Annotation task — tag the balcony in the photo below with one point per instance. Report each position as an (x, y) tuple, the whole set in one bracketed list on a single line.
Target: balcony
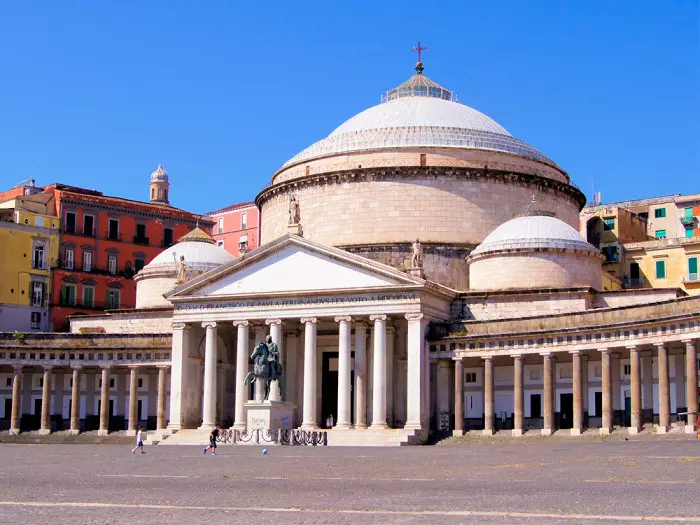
[(692, 278), (634, 283), (688, 222), (141, 240)]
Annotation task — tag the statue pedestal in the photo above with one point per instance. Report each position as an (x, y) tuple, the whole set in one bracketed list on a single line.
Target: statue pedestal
[(270, 415), (416, 272), (294, 229)]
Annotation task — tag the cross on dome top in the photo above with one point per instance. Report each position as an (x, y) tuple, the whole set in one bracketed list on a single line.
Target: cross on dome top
[(418, 49)]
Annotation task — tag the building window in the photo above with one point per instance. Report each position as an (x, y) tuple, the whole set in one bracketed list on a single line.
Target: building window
[(688, 213), (689, 233), (112, 264), (140, 382), (38, 291), (627, 370), (112, 299), (659, 213), (243, 243), (660, 269), (68, 295), (220, 243), (139, 263), (221, 224), (88, 225), (36, 320), (87, 261), (38, 256), (244, 221), (167, 237), (609, 224), (113, 229), (693, 269), (111, 382), (69, 258), (611, 254), (70, 222), (140, 237), (470, 377), (660, 234), (88, 296)]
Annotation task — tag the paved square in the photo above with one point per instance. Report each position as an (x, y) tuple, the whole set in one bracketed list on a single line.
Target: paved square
[(604, 482)]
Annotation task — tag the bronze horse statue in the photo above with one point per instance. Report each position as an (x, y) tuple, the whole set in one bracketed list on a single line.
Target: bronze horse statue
[(266, 366)]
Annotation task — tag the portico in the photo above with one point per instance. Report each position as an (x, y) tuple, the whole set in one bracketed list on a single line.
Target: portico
[(350, 340)]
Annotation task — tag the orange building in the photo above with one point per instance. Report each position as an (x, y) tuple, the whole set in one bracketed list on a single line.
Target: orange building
[(104, 241), (236, 227)]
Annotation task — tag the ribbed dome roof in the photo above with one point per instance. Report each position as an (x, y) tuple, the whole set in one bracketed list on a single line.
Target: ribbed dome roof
[(530, 231), (418, 113), (200, 251)]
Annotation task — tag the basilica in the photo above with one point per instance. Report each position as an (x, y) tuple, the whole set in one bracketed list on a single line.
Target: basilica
[(421, 272)]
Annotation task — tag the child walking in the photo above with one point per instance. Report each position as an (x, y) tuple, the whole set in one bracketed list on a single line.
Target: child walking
[(212, 439), (139, 441)]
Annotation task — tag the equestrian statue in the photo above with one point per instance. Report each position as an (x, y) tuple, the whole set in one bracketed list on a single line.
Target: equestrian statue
[(266, 365)]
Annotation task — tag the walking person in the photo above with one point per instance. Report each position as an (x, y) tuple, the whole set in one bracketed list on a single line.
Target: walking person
[(139, 441), (212, 440)]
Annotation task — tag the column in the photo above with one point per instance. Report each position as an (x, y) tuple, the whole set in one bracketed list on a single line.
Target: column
[(46, 403), (16, 400), (344, 372), (75, 402), (104, 403), (379, 374), (459, 396), (133, 400), (242, 338), (179, 380), (443, 388), (290, 370), (210, 350), (416, 418), (577, 428), (635, 392), (606, 426), (489, 409), (360, 374), (518, 401), (259, 389), (548, 375), (309, 414), (691, 384), (390, 344), (160, 419), (276, 334), (664, 393)]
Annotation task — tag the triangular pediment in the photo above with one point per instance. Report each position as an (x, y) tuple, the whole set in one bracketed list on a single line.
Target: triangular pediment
[(292, 264)]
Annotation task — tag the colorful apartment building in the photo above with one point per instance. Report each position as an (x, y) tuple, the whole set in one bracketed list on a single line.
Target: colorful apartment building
[(236, 227), (29, 246), (103, 241), (648, 243)]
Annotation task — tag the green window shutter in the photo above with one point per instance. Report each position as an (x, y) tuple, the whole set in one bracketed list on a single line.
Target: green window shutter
[(64, 289), (693, 265), (689, 233), (660, 234), (660, 269), (689, 213)]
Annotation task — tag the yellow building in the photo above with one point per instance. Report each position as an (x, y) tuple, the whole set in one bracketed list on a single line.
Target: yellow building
[(664, 263), (29, 248)]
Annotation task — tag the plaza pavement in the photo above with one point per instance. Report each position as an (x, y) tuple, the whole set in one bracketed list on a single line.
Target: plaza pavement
[(633, 481)]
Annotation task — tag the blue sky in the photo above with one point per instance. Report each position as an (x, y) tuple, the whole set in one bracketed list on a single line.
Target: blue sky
[(96, 94)]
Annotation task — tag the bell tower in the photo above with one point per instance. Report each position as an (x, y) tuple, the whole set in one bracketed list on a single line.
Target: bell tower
[(160, 187)]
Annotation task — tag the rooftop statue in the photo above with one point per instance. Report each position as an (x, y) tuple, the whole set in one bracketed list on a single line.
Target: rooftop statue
[(294, 212), (417, 255), (181, 270)]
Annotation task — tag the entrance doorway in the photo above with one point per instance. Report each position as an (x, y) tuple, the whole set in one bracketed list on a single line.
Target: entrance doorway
[(329, 387), (536, 405), (628, 410), (566, 411), (8, 408)]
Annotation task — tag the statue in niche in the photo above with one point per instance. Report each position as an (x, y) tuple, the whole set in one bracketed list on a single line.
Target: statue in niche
[(417, 255), (294, 212), (181, 270)]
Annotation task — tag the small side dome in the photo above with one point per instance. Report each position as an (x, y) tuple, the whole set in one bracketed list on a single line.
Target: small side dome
[(159, 175), (534, 251), (199, 253)]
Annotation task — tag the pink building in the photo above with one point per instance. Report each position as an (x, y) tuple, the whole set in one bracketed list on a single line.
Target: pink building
[(236, 227)]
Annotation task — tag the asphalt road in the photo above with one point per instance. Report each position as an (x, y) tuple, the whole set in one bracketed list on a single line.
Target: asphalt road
[(581, 483)]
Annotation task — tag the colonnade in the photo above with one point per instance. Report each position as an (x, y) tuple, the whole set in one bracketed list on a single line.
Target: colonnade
[(577, 357), (77, 371), (417, 368)]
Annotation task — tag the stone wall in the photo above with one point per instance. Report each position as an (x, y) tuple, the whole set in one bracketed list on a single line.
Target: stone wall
[(633, 296), (157, 321), (49, 341), (436, 205), (510, 306), (150, 291), (530, 269), (443, 263), (461, 158)]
